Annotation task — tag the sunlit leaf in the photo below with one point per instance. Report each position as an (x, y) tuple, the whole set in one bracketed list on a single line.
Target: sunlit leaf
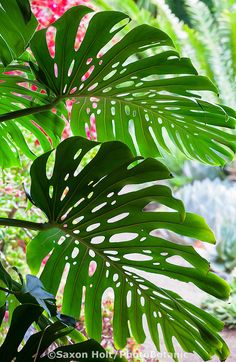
[(101, 233), (147, 101)]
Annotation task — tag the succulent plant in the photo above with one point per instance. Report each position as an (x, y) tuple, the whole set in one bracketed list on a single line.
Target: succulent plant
[(214, 199)]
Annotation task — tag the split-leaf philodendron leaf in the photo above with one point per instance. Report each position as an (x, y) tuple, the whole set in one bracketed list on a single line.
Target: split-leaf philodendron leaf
[(136, 98), (150, 102), (18, 24), (16, 93), (100, 230)]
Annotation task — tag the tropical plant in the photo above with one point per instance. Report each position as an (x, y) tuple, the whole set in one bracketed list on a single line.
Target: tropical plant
[(96, 196), (144, 98), (92, 216), (38, 324), (207, 36)]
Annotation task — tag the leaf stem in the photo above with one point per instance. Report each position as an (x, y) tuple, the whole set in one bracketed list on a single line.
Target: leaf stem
[(15, 292), (7, 290), (24, 224), (28, 111)]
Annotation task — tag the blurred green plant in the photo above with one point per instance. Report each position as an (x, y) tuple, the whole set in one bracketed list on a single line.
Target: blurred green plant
[(224, 310), (139, 91), (225, 258)]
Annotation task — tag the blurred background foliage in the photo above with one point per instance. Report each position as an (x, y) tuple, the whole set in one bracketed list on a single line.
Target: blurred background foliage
[(205, 31)]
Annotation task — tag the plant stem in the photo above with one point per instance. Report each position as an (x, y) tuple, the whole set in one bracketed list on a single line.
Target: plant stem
[(24, 224), (6, 290), (28, 111), (15, 292)]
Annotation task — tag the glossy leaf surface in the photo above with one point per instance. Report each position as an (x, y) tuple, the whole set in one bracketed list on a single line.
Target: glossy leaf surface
[(38, 343), (101, 231), (147, 101), (17, 94), (17, 27)]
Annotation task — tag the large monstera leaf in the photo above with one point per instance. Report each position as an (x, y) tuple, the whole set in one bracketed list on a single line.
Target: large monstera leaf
[(137, 89), (101, 233), (147, 101), (20, 92), (17, 27)]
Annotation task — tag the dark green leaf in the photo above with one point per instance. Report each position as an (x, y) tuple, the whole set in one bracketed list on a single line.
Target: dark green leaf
[(31, 291), (24, 6), (23, 316), (5, 277), (69, 321), (17, 25), (38, 343), (98, 215), (2, 313)]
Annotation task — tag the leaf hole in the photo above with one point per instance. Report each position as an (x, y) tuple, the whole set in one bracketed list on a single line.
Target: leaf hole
[(75, 252), (110, 252), (92, 267), (93, 226), (122, 237), (71, 67), (73, 90), (50, 40), (50, 164), (91, 253), (128, 299), (137, 257), (61, 240), (79, 202), (110, 75), (97, 240), (89, 60), (126, 84), (92, 88), (120, 25), (88, 73), (95, 209), (118, 217), (56, 70), (77, 220), (64, 193), (115, 277), (50, 191)]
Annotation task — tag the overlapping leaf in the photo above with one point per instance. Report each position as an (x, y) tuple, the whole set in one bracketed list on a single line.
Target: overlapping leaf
[(102, 234), (17, 27), (31, 291), (38, 343), (46, 127), (146, 101)]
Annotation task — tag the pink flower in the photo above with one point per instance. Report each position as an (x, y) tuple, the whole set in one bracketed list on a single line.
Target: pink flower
[(48, 11)]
